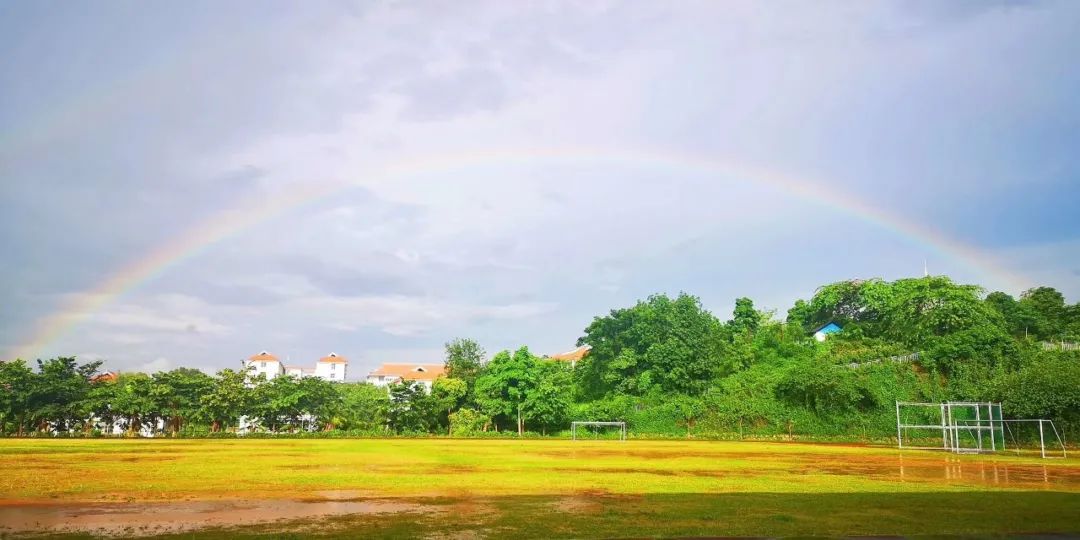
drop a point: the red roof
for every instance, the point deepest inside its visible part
(108, 376)
(334, 358)
(410, 372)
(572, 356)
(263, 357)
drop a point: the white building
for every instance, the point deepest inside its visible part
(299, 371)
(388, 374)
(266, 364)
(332, 367)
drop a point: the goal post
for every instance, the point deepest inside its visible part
(964, 427)
(584, 424)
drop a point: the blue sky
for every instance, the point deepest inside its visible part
(124, 128)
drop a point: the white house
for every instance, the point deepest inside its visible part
(424, 374)
(299, 371)
(266, 364)
(332, 367)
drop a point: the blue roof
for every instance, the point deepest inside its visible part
(830, 328)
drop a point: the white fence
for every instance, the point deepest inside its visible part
(1060, 346)
(910, 357)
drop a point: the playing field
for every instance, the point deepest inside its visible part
(503, 488)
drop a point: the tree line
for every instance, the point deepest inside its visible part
(666, 366)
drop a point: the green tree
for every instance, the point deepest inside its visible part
(746, 319)
(411, 408)
(673, 344)
(1047, 388)
(448, 395)
(688, 409)
(179, 393)
(133, 402)
(17, 383)
(320, 403)
(819, 387)
(504, 385)
(228, 399)
(364, 406)
(58, 391)
(280, 403)
(547, 401)
(464, 360)
(1049, 310)
(467, 422)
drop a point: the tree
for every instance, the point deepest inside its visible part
(320, 402)
(279, 403)
(746, 319)
(674, 344)
(227, 400)
(364, 406)
(504, 385)
(1047, 388)
(134, 403)
(851, 302)
(819, 387)
(688, 410)
(17, 382)
(57, 392)
(1048, 308)
(464, 359)
(547, 401)
(98, 406)
(179, 393)
(448, 395)
(466, 422)
(410, 407)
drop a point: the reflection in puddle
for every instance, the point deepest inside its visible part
(951, 470)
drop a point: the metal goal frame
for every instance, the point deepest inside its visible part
(969, 427)
(574, 425)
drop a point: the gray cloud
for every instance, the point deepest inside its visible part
(475, 205)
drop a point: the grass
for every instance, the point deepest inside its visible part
(531, 488)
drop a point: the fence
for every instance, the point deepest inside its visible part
(910, 357)
(1060, 346)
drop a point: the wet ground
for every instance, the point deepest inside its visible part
(785, 487)
(158, 518)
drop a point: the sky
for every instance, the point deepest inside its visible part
(191, 183)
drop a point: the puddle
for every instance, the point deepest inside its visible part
(158, 518)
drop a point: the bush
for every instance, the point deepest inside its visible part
(467, 422)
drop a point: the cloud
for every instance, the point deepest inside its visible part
(470, 204)
(155, 365)
(407, 316)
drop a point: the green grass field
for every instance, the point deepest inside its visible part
(532, 489)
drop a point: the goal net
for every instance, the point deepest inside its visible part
(598, 430)
(972, 427)
(1038, 437)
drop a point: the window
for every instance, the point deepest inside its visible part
(333, 367)
(262, 364)
(331, 375)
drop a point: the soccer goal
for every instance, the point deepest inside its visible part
(964, 427)
(598, 430)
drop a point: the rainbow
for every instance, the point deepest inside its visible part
(230, 223)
